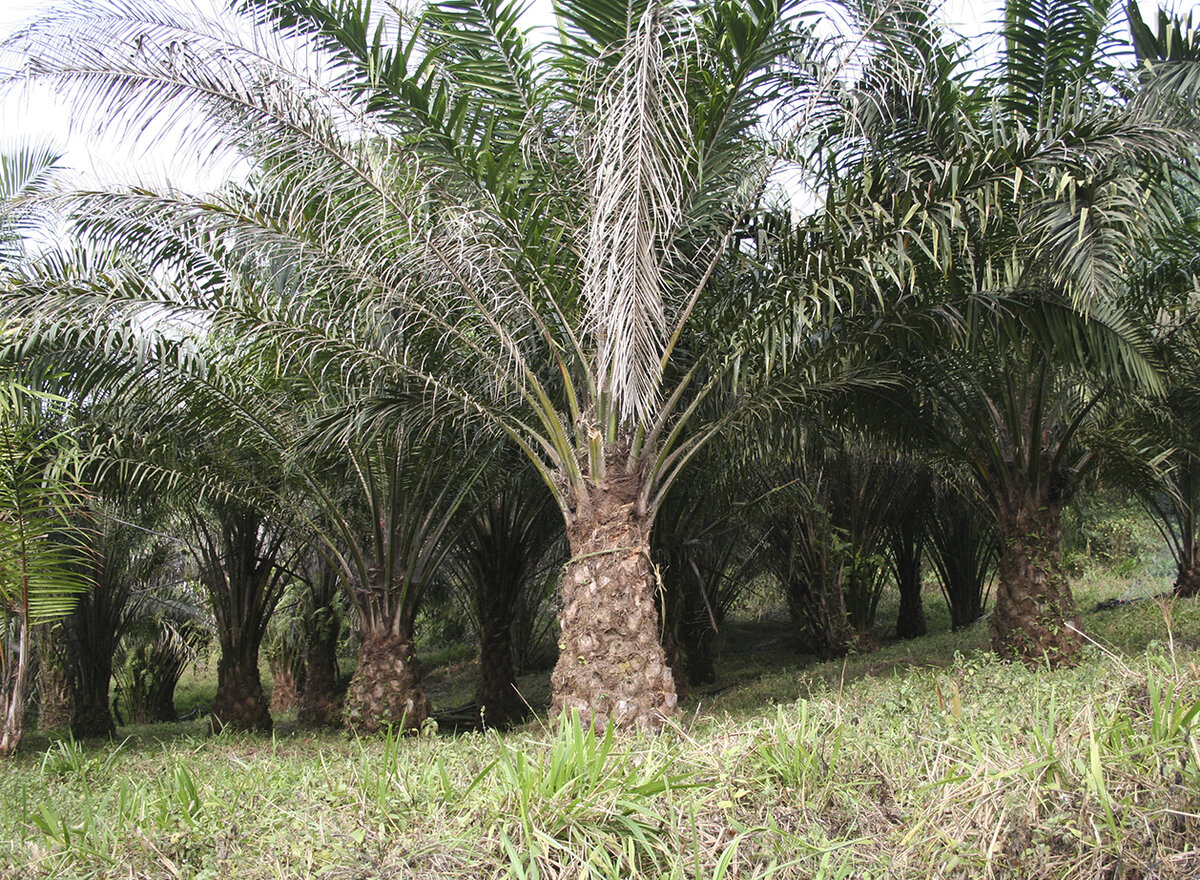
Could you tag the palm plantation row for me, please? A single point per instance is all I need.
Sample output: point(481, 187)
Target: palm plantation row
point(474, 289)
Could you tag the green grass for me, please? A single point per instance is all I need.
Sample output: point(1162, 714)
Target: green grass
point(924, 759)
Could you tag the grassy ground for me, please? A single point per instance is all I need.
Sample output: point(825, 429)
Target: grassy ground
point(924, 759)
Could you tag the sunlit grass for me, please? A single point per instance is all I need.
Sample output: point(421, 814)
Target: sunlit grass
point(924, 759)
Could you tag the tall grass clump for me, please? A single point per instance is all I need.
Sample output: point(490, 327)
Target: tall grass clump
point(586, 804)
point(963, 767)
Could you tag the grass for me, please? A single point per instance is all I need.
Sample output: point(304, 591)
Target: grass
point(924, 759)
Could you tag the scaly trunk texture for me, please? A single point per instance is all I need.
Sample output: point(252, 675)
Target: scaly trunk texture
point(54, 673)
point(611, 666)
point(320, 700)
point(385, 690)
point(495, 689)
point(240, 702)
point(284, 693)
point(1187, 583)
point(1035, 611)
point(818, 612)
point(93, 714)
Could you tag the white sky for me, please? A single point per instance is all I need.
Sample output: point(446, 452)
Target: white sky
point(40, 116)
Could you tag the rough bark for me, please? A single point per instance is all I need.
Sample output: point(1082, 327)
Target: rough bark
point(1035, 619)
point(1187, 583)
point(611, 666)
point(320, 699)
point(240, 703)
point(495, 692)
point(818, 611)
point(385, 690)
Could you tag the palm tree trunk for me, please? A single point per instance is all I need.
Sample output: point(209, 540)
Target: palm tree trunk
point(610, 664)
point(697, 640)
point(14, 679)
point(244, 583)
point(320, 702)
point(910, 619)
point(674, 654)
point(495, 690)
point(93, 713)
point(688, 635)
point(818, 612)
point(240, 702)
point(1035, 619)
point(162, 700)
point(1187, 582)
point(54, 674)
point(385, 690)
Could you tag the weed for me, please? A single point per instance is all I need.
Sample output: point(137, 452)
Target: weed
point(963, 767)
point(581, 799)
point(68, 758)
point(801, 751)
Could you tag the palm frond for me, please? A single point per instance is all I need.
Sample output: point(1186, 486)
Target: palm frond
point(641, 149)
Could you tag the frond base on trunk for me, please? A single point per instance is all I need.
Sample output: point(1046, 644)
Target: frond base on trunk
point(385, 690)
point(1035, 619)
point(611, 666)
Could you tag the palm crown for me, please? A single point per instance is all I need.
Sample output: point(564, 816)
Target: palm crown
point(552, 241)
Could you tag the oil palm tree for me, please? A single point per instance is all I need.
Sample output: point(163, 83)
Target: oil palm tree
point(908, 534)
point(242, 565)
point(707, 560)
point(1167, 475)
point(1031, 427)
point(1163, 431)
point(172, 432)
point(123, 564)
point(962, 548)
point(319, 700)
point(173, 630)
point(537, 237)
point(1028, 196)
point(410, 492)
point(502, 554)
